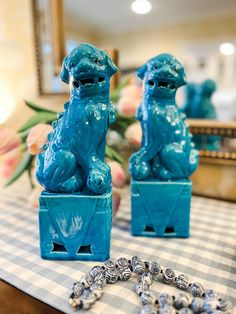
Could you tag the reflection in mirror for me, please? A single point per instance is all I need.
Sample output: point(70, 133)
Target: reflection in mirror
point(201, 34)
point(204, 41)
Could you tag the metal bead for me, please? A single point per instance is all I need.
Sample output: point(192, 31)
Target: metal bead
point(182, 282)
point(134, 260)
point(111, 275)
point(149, 309)
point(88, 299)
point(122, 262)
point(165, 299)
point(100, 280)
point(78, 289)
point(224, 305)
point(168, 276)
point(97, 290)
point(196, 305)
point(147, 278)
point(110, 264)
point(155, 268)
point(210, 294)
point(210, 304)
point(87, 280)
point(196, 289)
point(141, 287)
point(148, 297)
point(73, 303)
point(167, 309)
point(96, 270)
point(181, 300)
point(139, 268)
point(124, 273)
point(185, 310)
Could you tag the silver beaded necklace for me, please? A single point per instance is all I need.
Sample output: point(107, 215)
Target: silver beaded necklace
point(90, 287)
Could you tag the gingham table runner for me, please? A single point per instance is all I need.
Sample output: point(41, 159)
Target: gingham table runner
point(208, 257)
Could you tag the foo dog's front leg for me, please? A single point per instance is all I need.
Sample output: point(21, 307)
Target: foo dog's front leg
point(58, 172)
point(99, 176)
point(140, 162)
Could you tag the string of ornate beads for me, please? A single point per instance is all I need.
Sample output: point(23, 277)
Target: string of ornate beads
point(90, 287)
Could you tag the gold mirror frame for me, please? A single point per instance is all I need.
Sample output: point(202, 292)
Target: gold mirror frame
point(216, 175)
point(57, 29)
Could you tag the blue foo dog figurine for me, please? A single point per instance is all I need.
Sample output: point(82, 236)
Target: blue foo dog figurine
point(199, 105)
point(76, 207)
point(160, 188)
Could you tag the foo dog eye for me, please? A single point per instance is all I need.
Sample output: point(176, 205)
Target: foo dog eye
point(72, 64)
point(97, 61)
point(176, 68)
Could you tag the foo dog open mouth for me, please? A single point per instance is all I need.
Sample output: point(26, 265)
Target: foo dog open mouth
point(164, 85)
point(89, 82)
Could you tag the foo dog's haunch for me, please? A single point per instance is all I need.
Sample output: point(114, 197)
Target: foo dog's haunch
point(167, 152)
point(73, 160)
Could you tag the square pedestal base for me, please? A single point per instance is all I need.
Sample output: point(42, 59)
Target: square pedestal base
point(75, 227)
point(160, 209)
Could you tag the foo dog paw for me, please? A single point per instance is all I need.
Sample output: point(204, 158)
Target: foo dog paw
point(99, 181)
point(73, 184)
point(159, 172)
point(140, 170)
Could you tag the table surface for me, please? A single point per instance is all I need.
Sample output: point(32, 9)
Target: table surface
point(208, 256)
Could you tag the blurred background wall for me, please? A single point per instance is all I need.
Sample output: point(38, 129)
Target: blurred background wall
point(18, 79)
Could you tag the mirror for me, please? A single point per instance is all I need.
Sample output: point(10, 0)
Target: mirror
point(201, 34)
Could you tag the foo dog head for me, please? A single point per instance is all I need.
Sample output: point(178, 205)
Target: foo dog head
point(88, 70)
point(162, 76)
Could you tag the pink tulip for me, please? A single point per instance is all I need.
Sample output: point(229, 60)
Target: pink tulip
point(134, 134)
point(117, 173)
point(10, 162)
point(9, 140)
point(37, 138)
point(130, 99)
point(116, 200)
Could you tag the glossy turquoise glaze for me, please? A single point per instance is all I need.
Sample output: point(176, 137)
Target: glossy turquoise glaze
point(73, 160)
point(167, 152)
point(199, 105)
point(160, 189)
point(76, 207)
point(75, 227)
point(161, 209)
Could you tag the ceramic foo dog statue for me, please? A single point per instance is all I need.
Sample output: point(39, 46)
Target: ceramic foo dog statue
point(199, 105)
point(75, 208)
point(161, 190)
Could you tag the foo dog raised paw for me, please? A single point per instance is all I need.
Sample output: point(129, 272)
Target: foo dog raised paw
point(77, 181)
point(160, 188)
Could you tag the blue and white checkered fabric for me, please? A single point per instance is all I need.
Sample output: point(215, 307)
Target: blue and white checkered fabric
point(208, 257)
